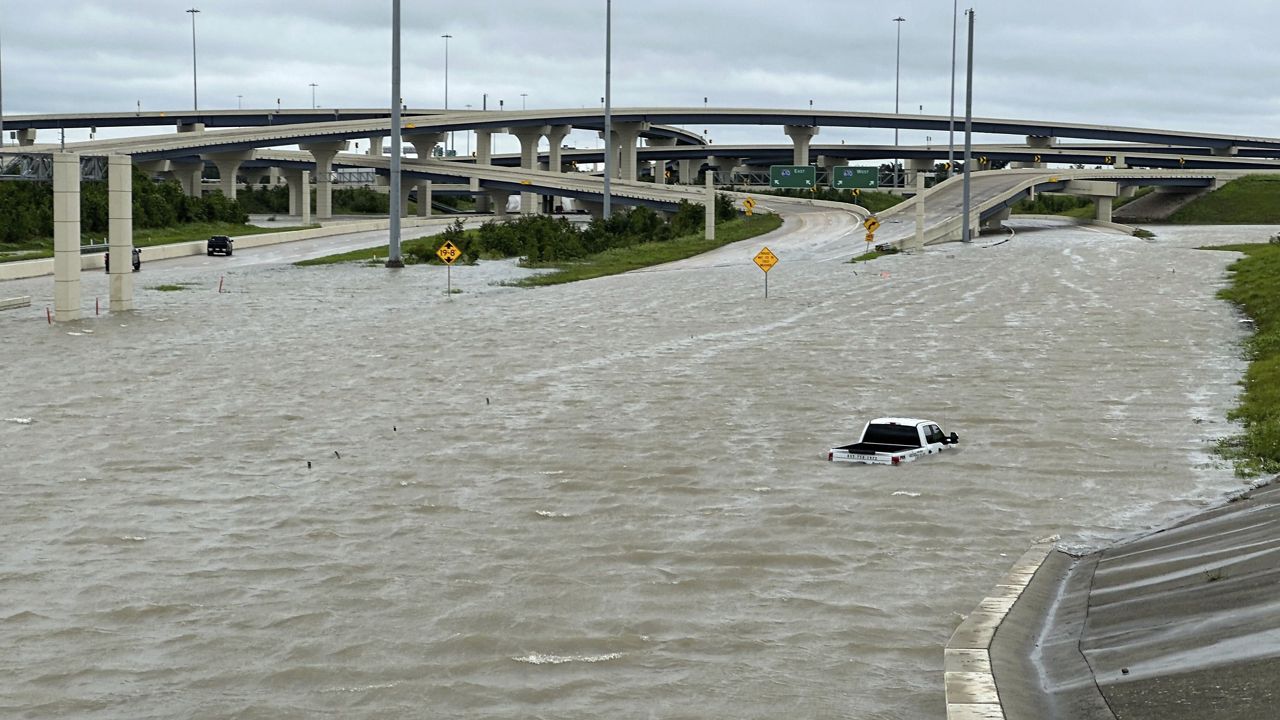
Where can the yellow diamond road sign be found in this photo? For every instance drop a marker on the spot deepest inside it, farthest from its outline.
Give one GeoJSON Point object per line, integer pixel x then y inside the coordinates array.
{"type": "Point", "coordinates": [766, 259]}
{"type": "Point", "coordinates": [871, 224]}
{"type": "Point", "coordinates": [448, 252]}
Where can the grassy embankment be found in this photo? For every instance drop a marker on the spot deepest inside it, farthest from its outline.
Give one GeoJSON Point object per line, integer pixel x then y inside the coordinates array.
{"type": "Point", "coordinates": [1255, 288]}
{"type": "Point", "coordinates": [43, 247]}
{"type": "Point", "coordinates": [609, 262]}
{"type": "Point", "coordinates": [1251, 200]}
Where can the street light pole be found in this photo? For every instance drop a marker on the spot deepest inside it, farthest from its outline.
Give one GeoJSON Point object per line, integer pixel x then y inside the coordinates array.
{"type": "Point", "coordinates": [968, 128]}
{"type": "Point", "coordinates": [393, 204]}
{"type": "Point", "coordinates": [195, 96]}
{"type": "Point", "coordinates": [239, 102]}
{"type": "Point", "coordinates": [897, 67]}
{"type": "Point", "coordinates": [609, 160]}
{"type": "Point", "coordinates": [446, 83]}
{"type": "Point", "coordinates": [523, 104]}
{"type": "Point", "coordinates": [313, 95]}
{"type": "Point", "coordinates": [951, 123]}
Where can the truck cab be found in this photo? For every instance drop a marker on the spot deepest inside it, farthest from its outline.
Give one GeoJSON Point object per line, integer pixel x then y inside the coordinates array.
{"type": "Point", "coordinates": [893, 441]}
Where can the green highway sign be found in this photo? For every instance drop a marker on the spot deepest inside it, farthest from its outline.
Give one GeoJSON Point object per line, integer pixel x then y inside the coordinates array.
{"type": "Point", "coordinates": [848, 178]}
{"type": "Point", "coordinates": [793, 176]}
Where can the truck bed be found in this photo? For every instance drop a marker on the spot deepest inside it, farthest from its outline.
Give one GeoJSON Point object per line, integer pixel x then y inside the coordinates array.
{"type": "Point", "coordinates": [869, 448]}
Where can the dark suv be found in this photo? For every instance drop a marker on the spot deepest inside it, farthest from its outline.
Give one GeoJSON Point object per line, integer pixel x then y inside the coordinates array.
{"type": "Point", "coordinates": [218, 244]}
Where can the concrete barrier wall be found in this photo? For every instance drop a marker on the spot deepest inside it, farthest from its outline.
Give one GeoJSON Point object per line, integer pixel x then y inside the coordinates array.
{"type": "Point", "coordinates": [44, 266]}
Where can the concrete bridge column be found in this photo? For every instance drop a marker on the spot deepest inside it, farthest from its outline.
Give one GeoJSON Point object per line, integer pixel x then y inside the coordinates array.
{"type": "Point", "coordinates": [190, 127]}
{"type": "Point", "coordinates": [66, 236]}
{"type": "Point", "coordinates": [1119, 163]}
{"type": "Point", "coordinates": [424, 198]}
{"type": "Point", "coordinates": [228, 165]}
{"type": "Point", "coordinates": [120, 230]}
{"type": "Point", "coordinates": [529, 138]}
{"type": "Point", "coordinates": [723, 168]}
{"type": "Point", "coordinates": [26, 136]}
{"type": "Point", "coordinates": [996, 221]}
{"type": "Point", "coordinates": [688, 171]}
{"type": "Point", "coordinates": [801, 136]}
{"type": "Point", "coordinates": [323, 153]}
{"type": "Point", "coordinates": [1103, 203]}
{"type": "Point", "coordinates": [484, 156]}
{"type": "Point", "coordinates": [190, 175]}
{"type": "Point", "coordinates": [498, 201]}
{"type": "Point", "coordinates": [917, 167]}
{"type": "Point", "coordinates": [625, 136]}
{"type": "Point", "coordinates": [660, 166]}
{"type": "Point", "coordinates": [555, 157]}
{"type": "Point", "coordinates": [424, 143]}
{"type": "Point", "coordinates": [297, 191]}
{"type": "Point", "coordinates": [405, 190]}
{"type": "Point", "coordinates": [375, 145]}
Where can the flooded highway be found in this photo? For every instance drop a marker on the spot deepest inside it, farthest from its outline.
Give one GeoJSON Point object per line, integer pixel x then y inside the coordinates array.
{"type": "Point", "coordinates": [340, 492]}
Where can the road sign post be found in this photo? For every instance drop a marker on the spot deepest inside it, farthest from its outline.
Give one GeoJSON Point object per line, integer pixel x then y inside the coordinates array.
{"type": "Point", "coordinates": [850, 178]}
{"type": "Point", "coordinates": [766, 260]}
{"type": "Point", "coordinates": [804, 177]}
{"type": "Point", "coordinates": [448, 253]}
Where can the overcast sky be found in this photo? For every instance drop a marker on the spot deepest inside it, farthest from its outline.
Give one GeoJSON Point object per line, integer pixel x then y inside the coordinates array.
{"type": "Point", "coordinates": [1177, 64]}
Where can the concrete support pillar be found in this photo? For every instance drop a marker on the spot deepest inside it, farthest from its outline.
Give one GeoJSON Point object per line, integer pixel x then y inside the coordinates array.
{"type": "Point", "coordinates": [1038, 142]}
{"type": "Point", "coordinates": [555, 158]}
{"type": "Point", "coordinates": [498, 201]}
{"type": "Point", "coordinates": [297, 190]}
{"type": "Point", "coordinates": [1119, 163]}
{"type": "Point", "coordinates": [375, 145]}
{"type": "Point", "coordinates": [405, 190]}
{"type": "Point", "coordinates": [190, 175]}
{"type": "Point", "coordinates": [120, 230]}
{"type": "Point", "coordinates": [66, 236]}
{"type": "Point", "coordinates": [228, 165]}
{"type": "Point", "coordinates": [323, 153]}
{"type": "Point", "coordinates": [710, 231]}
{"type": "Point", "coordinates": [688, 171]}
{"type": "Point", "coordinates": [529, 138]}
{"type": "Point", "coordinates": [424, 143]}
{"type": "Point", "coordinates": [660, 166]}
{"type": "Point", "coordinates": [917, 167]}
{"type": "Point", "coordinates": [26, 136]}
{"type": "Point", "coordinates": [996, 221]}
{"type": "Point", "coordinates": [625, 136]}
{"type": "Point", "coordinates": [304, 189]}
{"type": "Point", "coordinates": [723, 167]}
{"type": "Point", "coordinates": [424, 198]}
{"type": "Point", "coordinates": [1103, 204]}
{"type": "Point", "coordinates": [801, 136]}
{"type": "Point", "coordinates": [484, 156]}
{"type": "Point", "coordinates": [828, 164]}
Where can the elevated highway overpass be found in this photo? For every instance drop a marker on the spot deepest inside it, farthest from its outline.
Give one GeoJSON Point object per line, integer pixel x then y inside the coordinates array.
{"type": "Point", "coordinates": [323, 141]}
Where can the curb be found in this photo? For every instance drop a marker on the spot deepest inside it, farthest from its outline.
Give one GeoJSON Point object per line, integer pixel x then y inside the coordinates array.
{"type": "Point", "coordinates": [971, 692]}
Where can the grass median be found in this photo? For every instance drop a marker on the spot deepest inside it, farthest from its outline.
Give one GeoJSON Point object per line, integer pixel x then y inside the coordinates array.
{"type": "Point", "coordinates": [620, 260]}
{"type": "Point", "coordinates": [1255, 289]}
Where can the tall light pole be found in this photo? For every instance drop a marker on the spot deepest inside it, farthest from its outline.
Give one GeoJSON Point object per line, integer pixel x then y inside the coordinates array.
{"type": "Point", "coordinates": [446, 82]}
{"type": "Point", "coordinates": [897, 74]}
{"type": "Point", "coordinates": [239, 102]}
{"type": "Point", "coordinates": [195, 96]}
{"type": "Point", "coordinates": [951, 124]}
{"type": "Point", "coordinates": [968, 128]}
{"type": "Point", "coordinates": [393, 204]}
{"type": "Point", "coordinates": [609, 160]}
{"type": "Point", "coordinates": [313, 95]}
{"type": "Point", "coordinates": [523, 104]}
{"type": "Point", "coordinates": [2, 97]}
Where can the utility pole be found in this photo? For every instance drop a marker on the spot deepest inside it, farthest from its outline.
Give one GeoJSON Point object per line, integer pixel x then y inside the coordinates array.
{"type": "Point", "coordinates": [393, 204]}
{"type": "Point", "coordinates": [897, 74]}
{"type": "Point", "coordinates": [968, 128]}
{"type": "Point", "coordinates": [195, 95]}
{"type": "Point", "coordinates": [951, 123]}
{"type": "Point", "coordinates": [609, 160]}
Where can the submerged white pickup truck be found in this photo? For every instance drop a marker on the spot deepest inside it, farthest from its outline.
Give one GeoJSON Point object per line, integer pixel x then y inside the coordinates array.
{"type": "Point", "coordinates": [893, 441]}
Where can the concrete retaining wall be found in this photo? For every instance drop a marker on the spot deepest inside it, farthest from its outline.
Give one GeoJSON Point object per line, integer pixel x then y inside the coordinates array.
{"type": "Point", "coordinates": [44, 266]}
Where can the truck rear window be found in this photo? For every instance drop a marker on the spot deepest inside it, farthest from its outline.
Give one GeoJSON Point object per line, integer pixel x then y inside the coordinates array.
{"type": "Point", "coordinates": [892, 435]}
